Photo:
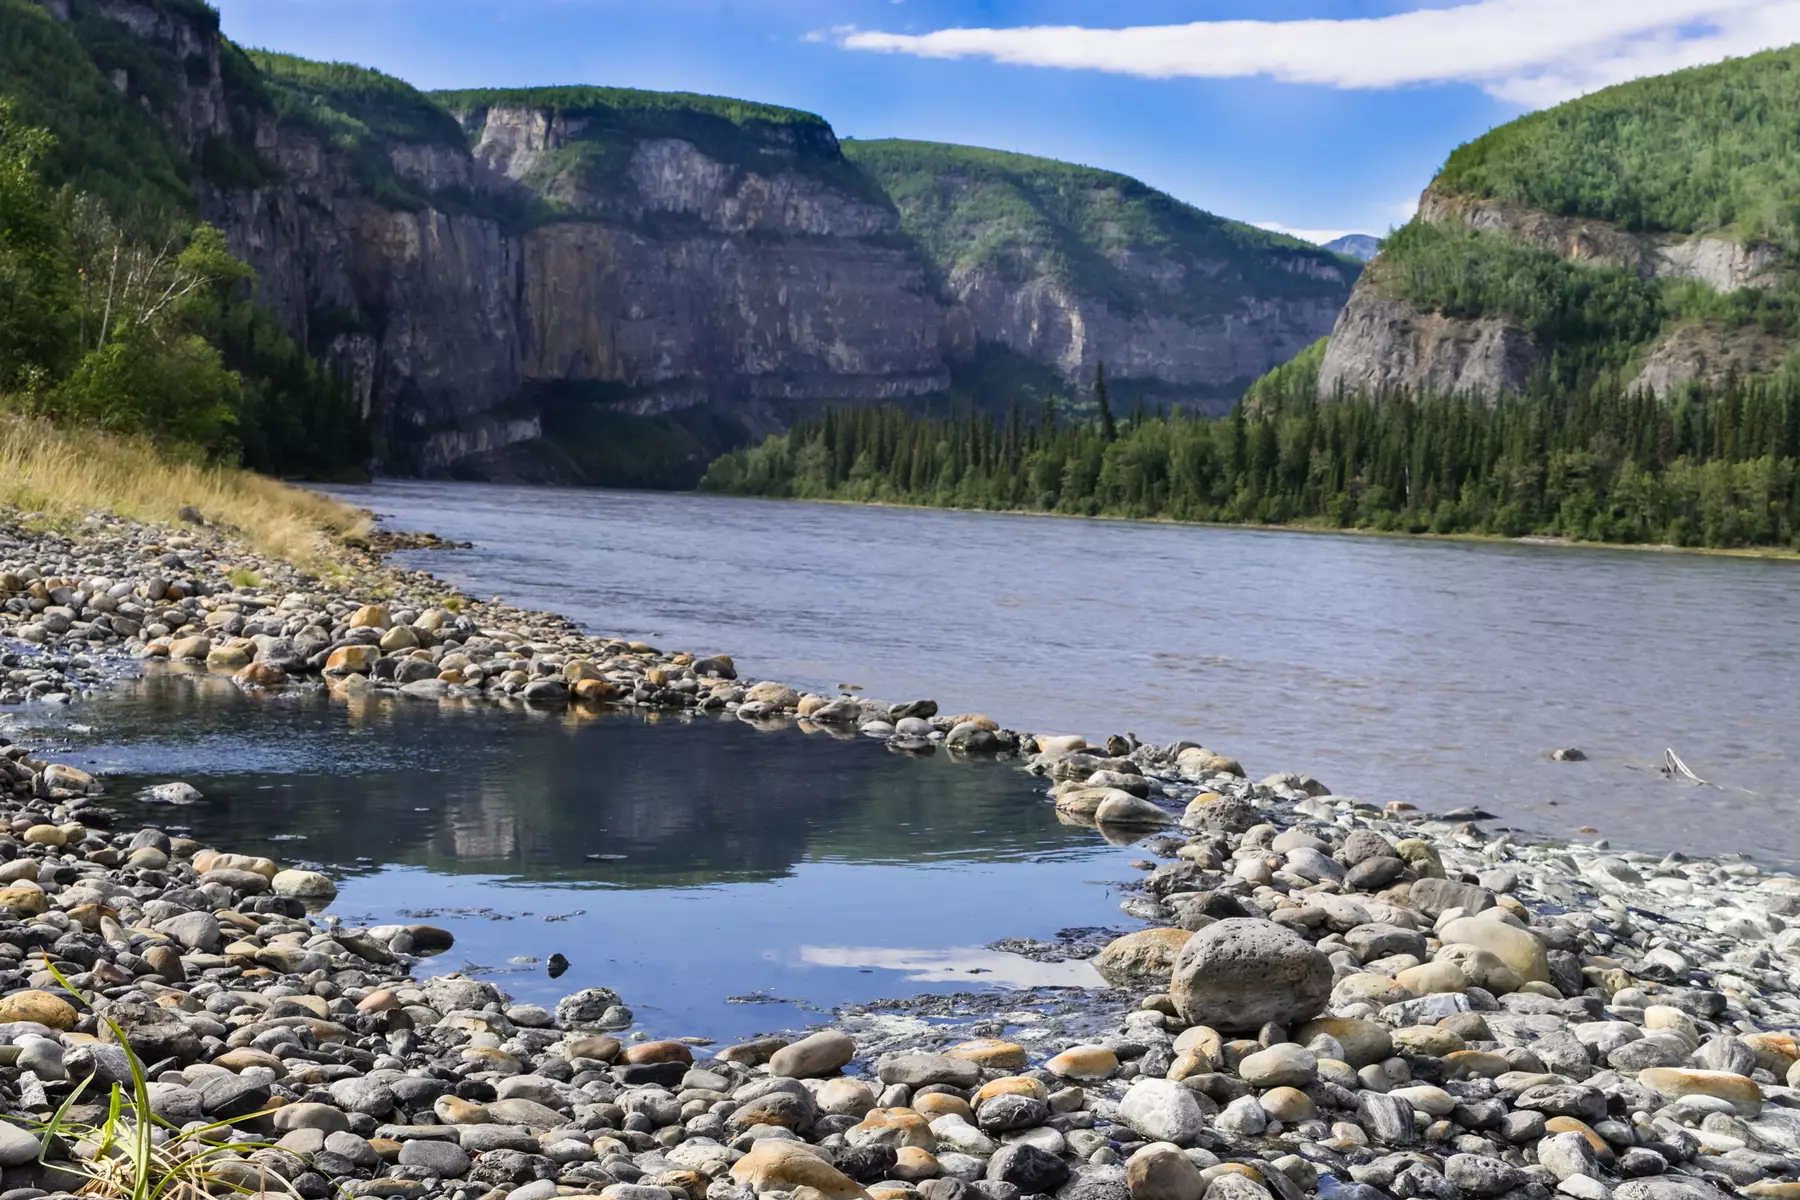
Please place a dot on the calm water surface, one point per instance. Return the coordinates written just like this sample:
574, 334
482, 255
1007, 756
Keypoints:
1439, 673
724, 880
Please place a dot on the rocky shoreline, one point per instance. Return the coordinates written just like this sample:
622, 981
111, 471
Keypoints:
1329, 998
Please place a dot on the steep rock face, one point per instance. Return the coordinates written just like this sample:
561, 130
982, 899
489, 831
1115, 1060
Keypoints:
1722, 264
468, 262
1381, 343
1046, 320
685, 278
1710, 356
1385, 345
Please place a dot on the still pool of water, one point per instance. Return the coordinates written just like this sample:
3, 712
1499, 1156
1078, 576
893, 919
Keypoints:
723, 879
1440, 673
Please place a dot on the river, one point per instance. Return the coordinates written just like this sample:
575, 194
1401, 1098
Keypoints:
1438, 673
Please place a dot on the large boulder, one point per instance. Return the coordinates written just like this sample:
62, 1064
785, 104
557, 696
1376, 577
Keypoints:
1239, 974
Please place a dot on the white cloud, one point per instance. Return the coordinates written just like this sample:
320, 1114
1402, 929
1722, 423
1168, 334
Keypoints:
1316, 236
1529, 52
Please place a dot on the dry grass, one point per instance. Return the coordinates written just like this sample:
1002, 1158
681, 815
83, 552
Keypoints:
67, 474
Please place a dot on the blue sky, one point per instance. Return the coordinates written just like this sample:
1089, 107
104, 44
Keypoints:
1320, 116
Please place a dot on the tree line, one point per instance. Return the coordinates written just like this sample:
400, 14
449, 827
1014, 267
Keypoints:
153, 330
1602, 462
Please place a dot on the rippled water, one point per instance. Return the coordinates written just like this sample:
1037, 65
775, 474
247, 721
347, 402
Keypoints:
723, 879
1438, 673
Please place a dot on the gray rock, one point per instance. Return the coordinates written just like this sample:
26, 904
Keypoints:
812, 1057
1243, 1117
588, 1009
1722, 1053
363, 1095
1007, 1112
446, 1160
194, 930
1436, 896
1240, 974
1096, 1182
17, 1147
1380, 941
921, 1070
307, 1115
1027, 1168
223, 1096
1233, 1186
1363, 844
1282, 1065
1479, 1175
449, 993
1567, 1154
1388, 1119
1162, 1111
490, 1139
1667, 1187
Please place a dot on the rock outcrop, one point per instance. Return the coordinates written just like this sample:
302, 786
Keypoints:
1383, 343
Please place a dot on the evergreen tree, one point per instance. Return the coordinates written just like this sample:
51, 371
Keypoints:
1109, 432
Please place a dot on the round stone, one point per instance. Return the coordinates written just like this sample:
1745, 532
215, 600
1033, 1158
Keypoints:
1242, 973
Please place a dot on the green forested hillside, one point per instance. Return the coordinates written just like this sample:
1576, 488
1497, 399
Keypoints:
1025, 218
116, 307
1711, 148
56, 74
1709, 151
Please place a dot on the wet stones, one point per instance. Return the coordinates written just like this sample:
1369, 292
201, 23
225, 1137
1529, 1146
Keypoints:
1147, 954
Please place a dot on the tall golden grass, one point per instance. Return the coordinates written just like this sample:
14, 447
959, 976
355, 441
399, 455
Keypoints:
66, 474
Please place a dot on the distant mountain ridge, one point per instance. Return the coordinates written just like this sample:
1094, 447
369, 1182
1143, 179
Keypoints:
1356, 245
597, 284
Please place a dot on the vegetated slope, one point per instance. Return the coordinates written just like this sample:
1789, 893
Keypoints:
1071, 266
1648, 232
114, 121
1709, 149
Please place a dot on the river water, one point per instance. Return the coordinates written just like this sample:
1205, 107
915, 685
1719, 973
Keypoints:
1439, 673
725, 880
728, 880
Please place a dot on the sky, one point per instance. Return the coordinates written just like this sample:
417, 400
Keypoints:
1318, 117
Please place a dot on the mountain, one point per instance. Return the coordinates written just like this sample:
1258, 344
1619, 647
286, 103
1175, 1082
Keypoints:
1647, 232
1356, 245
595, 284
1068, 266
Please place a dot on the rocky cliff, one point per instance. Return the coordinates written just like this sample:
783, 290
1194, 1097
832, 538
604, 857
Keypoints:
1644, 231
1069, 267
499, 268
1384, 341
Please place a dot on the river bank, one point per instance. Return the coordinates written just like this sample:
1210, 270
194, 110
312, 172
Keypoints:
1777, 553
1330, 997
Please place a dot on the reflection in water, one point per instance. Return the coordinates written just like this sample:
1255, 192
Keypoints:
680, 862
959, 964
1437, 673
